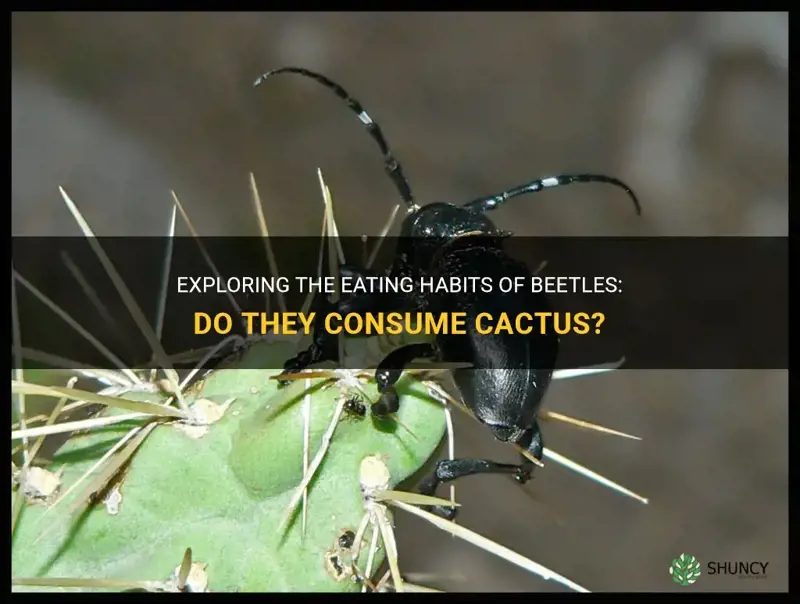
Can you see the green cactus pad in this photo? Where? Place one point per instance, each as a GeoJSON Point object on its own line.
{"type": "Point", "coordinates": [225, 494]}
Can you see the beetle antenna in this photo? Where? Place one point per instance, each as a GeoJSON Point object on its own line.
{"type": "Point", "coordinates": [484, 204]}
{"type": "Point", "coordinates": [393, 168]}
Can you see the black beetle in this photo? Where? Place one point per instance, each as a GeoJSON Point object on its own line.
{"type": "Point", "coordinates": [442, 239]}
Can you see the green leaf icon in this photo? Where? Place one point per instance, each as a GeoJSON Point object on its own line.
{"type": "Point", "coordinates": [685, 569]}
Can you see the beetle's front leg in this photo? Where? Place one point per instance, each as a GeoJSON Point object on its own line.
{"type": "Point", "coordinates": [324, 345]}
{"type": "Point", "coordinates": [389, 372]}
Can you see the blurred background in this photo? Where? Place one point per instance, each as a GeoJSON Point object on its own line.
{"type": "Point", "coordinates": [690, 109]}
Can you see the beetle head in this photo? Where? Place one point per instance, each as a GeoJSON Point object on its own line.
{"type": "Point", "coordinates": [427, 229]}
{"type": "Point", "coordinates": [445, 221]}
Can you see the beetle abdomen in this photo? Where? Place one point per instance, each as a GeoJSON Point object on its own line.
{"type": "Point", "coordinates": [508, 366]}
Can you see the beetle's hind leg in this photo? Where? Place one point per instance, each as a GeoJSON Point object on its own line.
{"type": "Point", "coordinates": [533, 444]}
{"type": "Point", "coordinates": [448, 470]}
{"type": "Point", "coordinates": [389, 372]}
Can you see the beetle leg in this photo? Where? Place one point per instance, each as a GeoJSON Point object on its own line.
{"type": "Point", "coordinates": [389, 371]}
{"type": "Point", "coordinates": [324, 345]}
{"type": "Point", "coordinates": [533, 444]}
{"type": "Point", "coordinates": [448, 470]}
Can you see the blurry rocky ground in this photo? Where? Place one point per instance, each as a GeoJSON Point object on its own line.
{"type": "Point", "coordinates": [690, 109]}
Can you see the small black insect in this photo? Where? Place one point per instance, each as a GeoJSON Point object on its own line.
{"type": "Point", "coordinates": [441, 240]}
{"type": "Point", "coordinates": [354, 407]}
{"type": "Point", "coordinates": [346, 539]}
